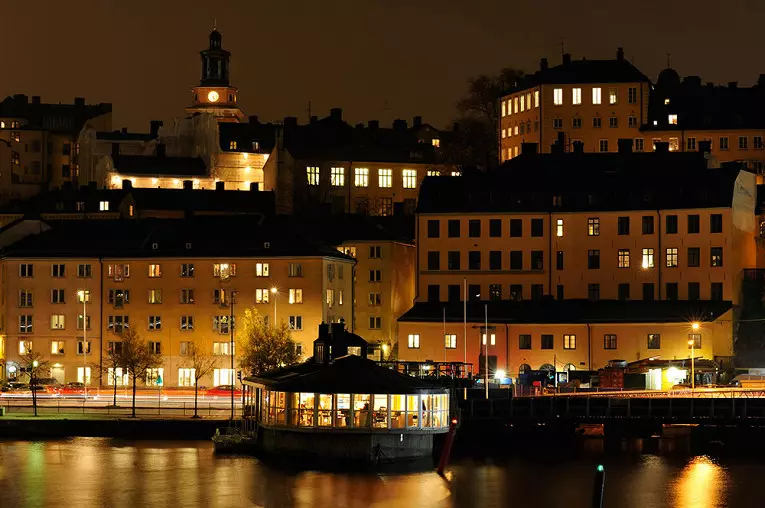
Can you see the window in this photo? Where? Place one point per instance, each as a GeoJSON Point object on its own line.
{"type": "Point", "coordinates": [434, 229]}
{"type": "Point", "coordinates": [414, 341]}
{"type": "Point", "coordinates": [613, 95]}
{"type": "Point", "coordinates": [495, 292]}
{"type": "Point", "coordinates": [623, 225]}
{"type": "Point", "coordinates": [361, 177]}
{"type": "Point", "coordinates": [80, 320]}
{"type": "Point", "coordinates": [524, 341]}
{"type": "Point", "coordinates": [474, 228]}
{"type": "Point", "coordinates": [671, 254]}
{"type": "Point", "coordinates": [57, 270]}
{"type": "Point", "coordinates": [187, 296]}
{"type": "Point", "coordinates": [83, 296]}
{"type": "Point", "coordinates": [613, 122]}
{"type": "Point", "coordinates": [695, 339]}
{"type": "Point", "coordinates": [25, 347]}
{"type": "Point", "coordinates": [569, 342]}
{"type": "Point", "coordinates": [434, 293]}
{"type": "Point", "coordinates": [757, 142]}
{"type": "Point", "coordinates": [690, 144]}
{"type": "Point", "coordinates": [516, 228]}
{"type": "Point", "coordinates": [57, 322]}
{"type": "Point", "coordinates": [375, 275]}
{"type": "Point", "coordinates": [296, 296]}
{"type": "Point", "coordinates": [624, 258]}
{"type": "Point", "coordinates": [295, 270]}
{"type": "Point", "coordinates": [57, 296]}
{"type": "Point", "coordinates": [716, 256]}
{"type": "Point", "coordinates": [495, 260]}
{"type": "Point", "coordinates": [232, 145]}
{"type": "Point", "coordinates": [25, 323]}
{"type": "Point", "coordinates": [623, 291]}
{"type": "Point", "coordinates": [694, 291]}
{"type": "Point", "coordinates": [187, 323]}
{"type": "Point", "coordinates": [537, 260]}
{"type": "Point", "coordinates": [723, 142]}
{"type": "Point", "coordinates": [596, 95]}
{"type": "Point", "coordinates": [410, 178]}
{"type": "Point", "coordinates": [593, 259]}
{"type": "Point", "coordinates": [82, 345]}
{"type": "Point", "coordinates": [639, 143]}
{"type": "Point", "coordinates": [715, 223]}
{"type": "Point", "coordinates": [337, 177]}
{"type": "Point", "coordinates": [647, 258]}
{"type": "Point", "coordinates": [454, 228]}
{"type": "Point", "coordinates": [654, 341]}
{"type": "Point", "coordinates": [312, 174]}
{"type": "Point", "coordinates": [375, 323]}
{"type": "Point", "coordinates": [453, 260]}
{"type": "Point", "coordinates": [671, 291]}
{"type": "Point", "coordinates": [185, 347]}
{"type": "Point", "coordinates": [261, 295]}
{"type": "Point", "coordinates": [593, 226]}
{"type": "Point", "coordinates": [516, 260]}
{"type": "Point", "coordinates": [119, 297]}
{"type": "Point", "coordinates": [743, 142]}
{"type": "Point", "coordinates": [647, 223]}
{"type": "Point", "coordinates": [450, 341]}
{"type": "Point", "coordinates": [609, 341]}
{"type": "Point", "coordinates": [516, 292]}
{"type": "Point", "coordinates": [26, 270]}
{"type": "Point", "coordinates": [474, 292]}
{"type": "Point", "coordinates": [559, 260]}
{"type": "Point", "coordinates": [103, 206]}
{"type": "Point", "coordinates": [385, 178]}
{"type": "Point", "coordinates": [434, 260]}
{"type": "Point", "coordinates": [474, 260]}
{"type": "Point", "coordinates": [670, 226]}
{"type": "Point", "coordinates": [648, 291]}
{"type": "Point", "coordinates": [593, 292]}
{"type": "Point", "coordinates": [155, 296]}
{"type": "Point", "coordinates": [376, 298]}
{"type": "Point", "coordinates": [155, 323]}
{"type": "Point", "coordinates": [559, 227]}
{"type": "Point", "coordinates": [558, 96]}
{"type": "Point", "coordinates": [537, 228]}
{"type": "Point", "coordinates": [221, 324]}
{"type": "Point", "coordinates": [118, 324]}
{"type": "Point", "coordinates": [597, 122]}
{"type": "Point", "coordinates": [187, 270]}
{"type": "Point", "coordinates": [224, 271]}
{"type": "Point", "coordinates": [716, 292]}
{"type": "Point", "coordinates": [221, 348]}
{"type": "Point", "coordinates": [557, 123]}
{"type": "Point", "coordinates": [155, 347]}
{"type": "Point", "coordinates": [632, 95]}
{"type": "Point", "coordinates": [548, 342]}
{"type": "Point", "coordinates": [603, 145]}
{"type": "Point", "coordinates": [296, 322]}
{"type": "Point", "coordinates": [495, 228]}
{"type": "Point", "coordinates": [492, 339]}
{"type": "Point", "coordinates": [576, 123]}
{"type": "Point", "coordinates": [694, 224]}
{"type": "Point", "coordinates": [25, 298]}
{"type": "Point", "coordinates": [694, 257]}
{"type": "Point", "coordinates": [84, 271]}
{"type": "Point", "coordinates": [536, 98]}
{"type": "Point", "coordinates": [186, 377]}
{"type": "Point", "coordinates": [576, 96]}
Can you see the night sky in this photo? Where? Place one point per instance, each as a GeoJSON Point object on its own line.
{"type": "Point", "coordinates": [376, 59]}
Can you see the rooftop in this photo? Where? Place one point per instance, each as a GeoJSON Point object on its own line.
{"type": "Point", "coordinates": [159, 165]}
{"type": "Point", "coordinates": [54, 117]}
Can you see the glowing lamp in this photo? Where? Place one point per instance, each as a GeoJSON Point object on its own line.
{"type": "Point", "coordinates": [273, 291]}
{"type": "Point", "coordinates": [600, 468]}
{"type": "Point", "coordinates": [154, 181]}
{"type": "Point", "coordinates": [247, 169]}
{"type": "Point", "coordinates": [500, 374]}
{"type": "Point", "coordinates": [35, 363]}
{"type": "Point", "coordinates": [690, 342]}
{"type": "Point", "coordinates": [454, 421]}
{"type": "Point", "coordinates": [245, 155]}
{"type": "Point", "coordinates": [176, 181]}
{"type": "Point", "coordinates": [695, 325]}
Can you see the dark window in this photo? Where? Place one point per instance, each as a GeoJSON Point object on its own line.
{"type": "Point", "coordinates": [474, 260]}
{"type": "Point", "coordinates": [454, 293]}
{"type": "Point", "coordinates": [474, 292]}
{"type": "Point", "coordinates": [609, 341]}
{"type": "Point", "coordinates": [66, 171]}
{"type": "Point", "coordinates": [524, 341]}
{"type": "Point", "coordinates": [453, 260]}
{"type": "Point", "coordinates": [434, 260]}
{"type": "Point", "coordinates": [434, 228]}
{"type": "Point", "coordinates": [671, 225]}
{"type": "Point", "coordinates": [516, 260]}
{"type": "Point", "coordinates": [694, 291]}
{"type": "Point", "coordinates": [454, 228]}
{"type": "Point", "coordinates": [516, 228]}
{"type": "Point", "coordinates": [648, 224]}
{"type": "Point", "coordinates": [716, 291]}
{"type": "Point", "coordinates": [559, 292]}
{"type": "Point", "coordinates": [495, 260]}
{"type": "Point", "coordinates": [537, 227]}
{"type": "Point", "coordinates": [715, 223]}
{"type": "Point", "coordinates": [648, 291]}
{"type": "Point", "coordinates": [559, 260]}
{"type": "Point", "coordinates": [537, 260]}
{"type": "Point", "coordinates": [694, 256]}
{"type": "Point", "coordinates": [495, 292]}
{"type": "Point", "coordinates": [623, 225]}
{"type": "Point", "coordinates": [593, 292]}
{"type": "Point", "coordinates": [654, 341]}
{"type": "Point", "coordinates": [516, 292]}
{"type": "Point", "coordinates": [433, 293]}
{"type": "Point", "coordinates": [474, 228]}
{"type": "Point", "coordinates": [537, 290]}
{"type": "Point", "coordinates": [67, 149]}
{"type": "Point", "coordinates": [671, 290]}
{"type": "Point", "coordinates": [593, 259]}
{"type": "Point", "coordinates": [495, 228]}
{"type": "Point", "coordinates": [547, 341]}
{"type": "Point", "coordinates": [624, 291]}
{"type": "Point", "coordinates": [693, 224]}
{"type": "Point", "coordinates": [715, 256]}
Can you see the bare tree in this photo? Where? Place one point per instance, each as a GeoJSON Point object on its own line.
{"type": "Point", "coordinates": [202, 364]}
{"type": "Point", "coordinates": [109, 368]}
{"type": "Point", "coordinates": [137, 358]}
{"type": "Point", "coordinates": [34, 364]}
{"type": "Point", "coordinates": [265, 347]}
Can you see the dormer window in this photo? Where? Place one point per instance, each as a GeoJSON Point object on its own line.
{"type": "Point", "coordinates": [232, 145]}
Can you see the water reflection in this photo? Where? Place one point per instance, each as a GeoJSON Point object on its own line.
{"type": "Point", "coordinates": [702, 482]}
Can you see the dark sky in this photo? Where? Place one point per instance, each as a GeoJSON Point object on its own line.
{"type": "Point", "coordinates": [377, 59]}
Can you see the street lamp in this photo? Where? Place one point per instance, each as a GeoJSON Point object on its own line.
{"type": "Point", "coordinates": [231, 351]}
{"type": "Point", "coordinates": [273, 292]}
{"type": "Point", "coordinates": [695, 326]}
{"type": "Point", "coordinates": [83, 294]}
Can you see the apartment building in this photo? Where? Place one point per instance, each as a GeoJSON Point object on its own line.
{"type": "Point", "coordinates": [635, 228]}
{"type": "Point", "coordinates": [172, 281]}
{"type": "Point", "coordinates": [595, 102]}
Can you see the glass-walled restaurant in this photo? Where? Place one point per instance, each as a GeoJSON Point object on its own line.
{"type": "Point", "coordinates": [424, 411]}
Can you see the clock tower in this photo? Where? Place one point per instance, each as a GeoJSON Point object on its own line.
{"type": "Point", "coordinates": [214, 94]}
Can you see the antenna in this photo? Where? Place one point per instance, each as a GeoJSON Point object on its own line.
{"type": "Point", "coordinates": [309, 110]}
{"type": "Point", "coordinates": [562, 48]}
{"type": "Point", "coordinates": [215, 23]}
{"type": "Point", "coordinates": [669, 60]}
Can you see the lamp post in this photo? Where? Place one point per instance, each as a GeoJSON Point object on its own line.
{"type": "Point", "coordinates": [231, 351]}
{"type": "Point", "coordinates": [82, 294]}
{"type": "Point", "coordinates": [273, 292]}
{"type": "Point", "coordinates": [692, 342]}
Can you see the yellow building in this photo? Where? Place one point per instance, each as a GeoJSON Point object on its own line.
{"type": "Point", "coordinates": [596, 102]}
{"type": "Point", "coordinates": [172, 281]}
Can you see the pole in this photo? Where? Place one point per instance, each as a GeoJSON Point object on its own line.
{"type": "Point", "coordinates": [464, 318]}
{"type": "Point", "coordinates": [486, 349]}
{"type": "Point", "coordinates": [444, 334]}
{"type": "Point", "coordinates": [85, 343]}
{"type": "Point", "coordinates": [231, 353]}
{"type": "Point", "coordinates": [693, 374]}
{"type": "Point", "coordinates": [598, 487]}
{"type": "Point", "coordinates": [273, 293]}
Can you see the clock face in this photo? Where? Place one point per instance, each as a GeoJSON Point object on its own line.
{"type": "Point", "coordinates": [213, 96]}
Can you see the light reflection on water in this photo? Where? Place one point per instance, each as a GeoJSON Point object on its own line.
{"type": "Point", "coordinates": [87, 472]}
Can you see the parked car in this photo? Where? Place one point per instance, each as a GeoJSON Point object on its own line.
{"type": "Point", "coordinates": [73, 389]}
{"type": "Point", "coordinates": [46, 385]}
{"type": "Point", "coordinates": [222, 392]}
{"type": "Point", "coordinates": [16, 388]}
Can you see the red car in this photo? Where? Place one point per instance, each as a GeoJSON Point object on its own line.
{"type": "Point", "coordinates": [73, 390]}
{"type": "Point", "coordinates": [223, 392]}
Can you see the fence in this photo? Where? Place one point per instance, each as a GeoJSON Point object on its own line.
{"type": "Point", "coordinates": [90, 408]}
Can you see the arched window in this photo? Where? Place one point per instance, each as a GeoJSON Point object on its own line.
{"type": "Point", "coordinates": [547, 367]}
{"type": "Point", "coordinates": [524, 368]}
{"type": "Point", "coordinates": [568, 367]}
{"type": "Point", "coordinates": [762, 229]}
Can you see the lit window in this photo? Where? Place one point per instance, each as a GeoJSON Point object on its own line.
{"type": "Point", "coordinates": [385, 178]}
{"type": "Point", "coordinates": [83, 375]}
{"type": "Point", "coordinates": [25, 347]}
{"type": "Point", "coordinates": [436, 142]}
{"type": "Point", "coordinates": [666, 101]}
{"type": "Point", "coordinates": [492, 339]}
{"type": "Point", "coordinates": [504, 135]}
{"type": "Point", "coordinates": [569, 342]}
{"type": "Point", "coordinates": [456, 173]}
{"type": "Point", "coordinates": [296, 296]}
{"type": "Point", "coordinates": [224, 270]}
{"type": "Point", "coordinates": [57, 322]}
{"type": "Point", "coordinates": [647, 258]}
{"type": "Point", "coordinates": [261, 269]}
{"type": "Point", "coordinates": [414, 341]}
{"type": "Point", "coordinates": [639, 144]}
{"type": "Point", "coordinates": [576, 96]}
{"type": "Point", "coordinates": [624, 258]}
{"type": "Point", "coordinates": [523, 103]}
{"type": "Point", "coordinates": [221, 348]}
{"type": "Point", "coordinates": [410, 178]}
{"type": "Point", "coordinates": [103, 206]}
{"type": "Point", "coordinates": [155, 296]}
{"type": "Point", "coordinates": [361, 177]}
{"type": "Point", "coordinates": [674, 144]}
{"type": "Point", "coordinates": [450, 341]}
{"type": "Point", "coordinates": [155, 271]}
{"type": "Point", "coordinates": [337, 177]}
{"type": "Point", "coordinates": [312, 173]}
{"type": "Point", "coordinates": [261, 295]}
{"type": "Point", "coordinates": [743, 142]}
{"type": "Point", "coordinates": [559, 227]}
{"type": "Point", "coordinates": [536, 98]}
{"type": "Point", "coordinates": [504, 108]}
{"type": "Point", "coordinates": [515, 104]}
{"type": "Point", "coordinates": [232, 145]}
{"type": "Point", "coordinates": [593, 226]}
{"type": "Point", "coordinates": [613, 95]}
{"type": "Point", "coordinates": [558, 96]}
{"type": "Point", "coordinates": [632, 95]}
{"type": "Point", "coordinates": [330, 297]}
{"type": "Point", "coordinates": [186, 377]}
{"type": "Point", "coordinates": [671, 257]}
{"type": "Point", "coordinates": [596, 96]}
{"type": "Point", "coordinates": [296, 322]}
{"type": "Point", "coordinates": [187, 323]}
{"type": "Point", "coordinates": [672, 119]}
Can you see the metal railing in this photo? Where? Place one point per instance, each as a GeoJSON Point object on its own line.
{"type": "Point", "coordinates": [75, 408]}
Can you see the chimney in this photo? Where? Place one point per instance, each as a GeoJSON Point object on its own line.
{"type": "Point", "coordinates": [625, 145]}
{"type": "Point", "coordinates": [705, 146]}
{"type": "Point", "coordinates": [254, 187]}
{"type": "Point", "coordinates": [314, 119]}
{"type": "Point", "coordinates": [79, 102]}
{"type": "Point", "coordinates": [417, 121]}
{"type": "Point", "coordinates": [154, 126]}
{"type": "Point", "coordinates": [373, 124]}
{"type": "Point", "coordinates": [161, 150]}
{"type": "Point", "coordinates": [528, 148]}
{"type": "Point", "coordinates": [578, 146]}
{"type": "Point", "coordinates": [20, 97]}
{"type": "Point", "coordinates": [290, 121]}
{"type": "Point", "coordinates": [337, 330]}
{"type": "Point", "coordinates": [336, 114]}
{"type": "Point", "coordinates": [661, 147]}
{"type": "Point", "coordinates": [399, 125]}
{"type": "Point", "coordinates": [324, 331]}
{"type": "Point", "coordinates": [543, 65]}
{"type": "Point", "coordinates": [188, 185]}
{"type": "Point", "coordinates": [566, 58]}
{"type": "Point", "coordinates": [124, 130]}
{"type": "Point", "coordinates": [115, 152]}
{"type": "Point", "coordinates": [220, 186]}
{"type": "Point", "coordinates": [126, 184]}
{"type": "Point", "coordinates": [732, 84]}
{"type": "Point", "coordinates": [620, 54]}
{"type": "Point", "coordinates": [254, 119]}
{"type": "Point", "coordinates": [36, 99]}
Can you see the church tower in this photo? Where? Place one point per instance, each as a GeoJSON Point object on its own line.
{"type": "Point", "coordinates": [214, 94]}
